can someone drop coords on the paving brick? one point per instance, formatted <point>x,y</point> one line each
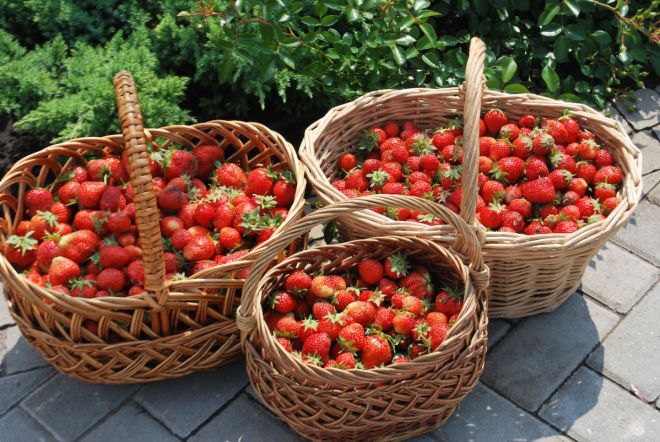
<point>649,181</point>
<point>537,355</point>
<point>8,339</point>
<point>5,317</point>
<point>497,328</point>
<point>486,416</point>
<point>650,148</point>
<point>129,423</point>
<point>654,195</point>
<point>656,132</point>
<point>618,278</point>
<point>316,232</point>
<point>19,356</point>
<point>184,404</point>
<point>630,353</point>
<point>17,425</point>
<point>590,407</point>
<point>68,408</point>
<point>612,112</point>
<point>647,113</point>
<point>14,388</point>
<point>641,233</point>
<point>232,425</point>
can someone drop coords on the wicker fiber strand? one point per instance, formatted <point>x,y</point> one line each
<point>177,327</point>
<point>529,274</point>
<point>390,403</point>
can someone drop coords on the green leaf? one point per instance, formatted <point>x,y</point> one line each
<point>509,68</point>
<point>551,79</point>
<point>428,30</point>
<point>549,13</point>
<point>406,40</point>
<point>398,54</point>
<point>561,49</point>
<point>573,6</point>
<point>288,61</point>
<point>575,32</point>
<point>516,88</point>
<point>551,30</point>
<point>602,38</point>
<point>431,59</point>
<point>570,97</point>
<point>352,13</point>
<point>329,20</point>
<point>309,21</point>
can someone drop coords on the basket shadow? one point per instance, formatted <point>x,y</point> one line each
<point>530,368</point>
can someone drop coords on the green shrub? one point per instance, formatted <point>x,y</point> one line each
<point>68,91</point>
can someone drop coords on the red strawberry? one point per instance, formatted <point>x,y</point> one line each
<point>588,150</point>
<point>172,198</point>
<point>61,270</point>
<point>500,149</point>
<point>542,144</point>
<point>231,175</point>
<point>539,190</point>
<point>285,343</point>
<point>204,214</point>
<point>603,158</point>
<point>199,248</point>
<point>84,287</point>
<point>571,211</point>
<point>68,193</point>
<point>588,206</point>
<point>535,167</point>
<point>113,256</point>
<point>180,238</point>
<point>490,216</point>
<point>511,168</point>
<point>528,121</point>
<point>494,120</point>
<point>376,351</point>
<point>437,335</point>
<point>443,138</point>
<point>609,205</point>
<point>371,271</point>
<point>403,323</point>
<point>298,282</point>
<point>396,266</point>
<point>577,185</point>
<point>343,298</point>
<point>111,280</point>
<point>448,302</point>
<point>112,199</point>
<point>79,245</point>
<point>119,222</point>
<point>586,171</point>
<point>513,220</point>
<point>413,305</point>
<point>509,131</point>
<point>556,130</point>
<point>391,129</point>
<point>170,224</point>
<point>322,309</point>
<point>229,238</point>
<point>347,161</point>
<point>561,178</point>
<point>485,165</point>
<point>608,174</point>
<point>361,312</point>
<point>522,147</point>
<point>135,272</point>
<point>179,162</point>
<point>38,200</point>
<point>417,284</point>
<point>259,182</point>
<point>284,192</point>
<point>604,191</point>
<point>42,224</point>
<point>572,128</point>
<point>317,344</point>
<point>89,194</point>
<point>420,189</point>
<point>566,227</point>
<point>522,206</point>
<point>384,318</point>
<point>21,250</point>
<point>492,191</point>
<point>511,193</point>
<point>206,156</point>
<point>357,180</point>
<point>330,325</point>
<point>284,302</point>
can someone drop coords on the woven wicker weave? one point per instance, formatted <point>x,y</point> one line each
<point>391,403</point>
<point>529,274</point>
<point>175,328</point>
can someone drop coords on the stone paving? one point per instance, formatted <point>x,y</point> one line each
<point>586,372</point>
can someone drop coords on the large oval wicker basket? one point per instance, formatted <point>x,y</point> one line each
<point>175,327</point>
<point>390,403</point>
<point>529,274</point>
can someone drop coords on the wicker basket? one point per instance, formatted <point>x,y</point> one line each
<point>391,403</point>
<point>176,327</point>
<point>529,274</point>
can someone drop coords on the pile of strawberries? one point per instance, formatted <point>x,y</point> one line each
<point>536,175</point>
<point>81,238</point>
<point>386,312</point>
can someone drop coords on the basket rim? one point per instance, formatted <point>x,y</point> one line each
<point>246,260</point>
<point>631,188</point>
<point>473,297</point>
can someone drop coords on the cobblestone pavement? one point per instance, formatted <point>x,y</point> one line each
<point>588,371</point>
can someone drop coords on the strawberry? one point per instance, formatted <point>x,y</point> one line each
<point>437,336</point>
<point>443,138</point>
<point>298,282</point>
<point>566,227</point>
<point>372,138</point>
<point>343,298</point>
<point>512,220</point>
<point>135,272</point>
<point>178,162</point>
<point>229,238</point>
<point>357,180</point>
<point>511,168</point>
<point>586,171</point>
<point>89,194</point>
<point>322,309</point>
<point>448,302</point>
<point>420,189</point>
<point>361,312</point>
<point>412,305</point>
<point>317,344</point>
<point>604,191</point>
<point>330,325</point>
<point>223,216</point>
<point>172,198</point>
<point>112,280</point>
<point>494,120</point>
<point>522,147</point>
<point>556,130</point>
<point>206,156</point>
<point>571,212</point>
<point>327,286</point>
<point>259,182</point>
<point>204,214</point>
<point>542,143</point>
<point>347,161</point>
<point>393,170</point>
<point>511,193</point>
<point>539,190</point>
<point>560,178</point>
<point>571,127</point>
<point>391,129</point>
<point>491,191</point>
<point>84,287</point>
<point>284,302</point>
<point>38,200</point>
<point>173,263</point>
<point>119,222</point>
<point>180,238</point>
<point>396,266</point>
<point>231,175</point>
<point>603,158</point>
<point>417,284</point>
<point>199,248</point>
<point>384,318</point>
<point>485,164</point>
<point>61,270</point>
<point>522,206</point>
<point>376,351</point>
<point>78,246</point>
<point>284,192</point>
<point>403,323</point>
<point>170,224</point>
<point>588,150</point>
<point>588,206</point>
<point>528,121</point>
<point>490,216</point>
<point>68,193</point>
<point>285,343</point>
<point>579,186</point>
<point>42,224</point>
<point>21,250</point>
<point>345,360</point>
<point>610,204</point>
<point>391,143</point>
<point>500,149</point>
<point>608,174</point>
<point>113,256</point>
<point>112,199</point>
<point>535,167</point>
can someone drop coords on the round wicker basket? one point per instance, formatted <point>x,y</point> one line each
<point>390,403</point>
<point>175,327</point>
<point>529,274</point>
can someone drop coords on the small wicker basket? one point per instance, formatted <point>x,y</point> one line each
<point>176,327</point>
<point>390,403</point>
<point>529,274</point>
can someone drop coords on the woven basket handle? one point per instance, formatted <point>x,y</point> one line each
<point>146,209</point>
<point>467,243</point>
<point>472,89</point>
